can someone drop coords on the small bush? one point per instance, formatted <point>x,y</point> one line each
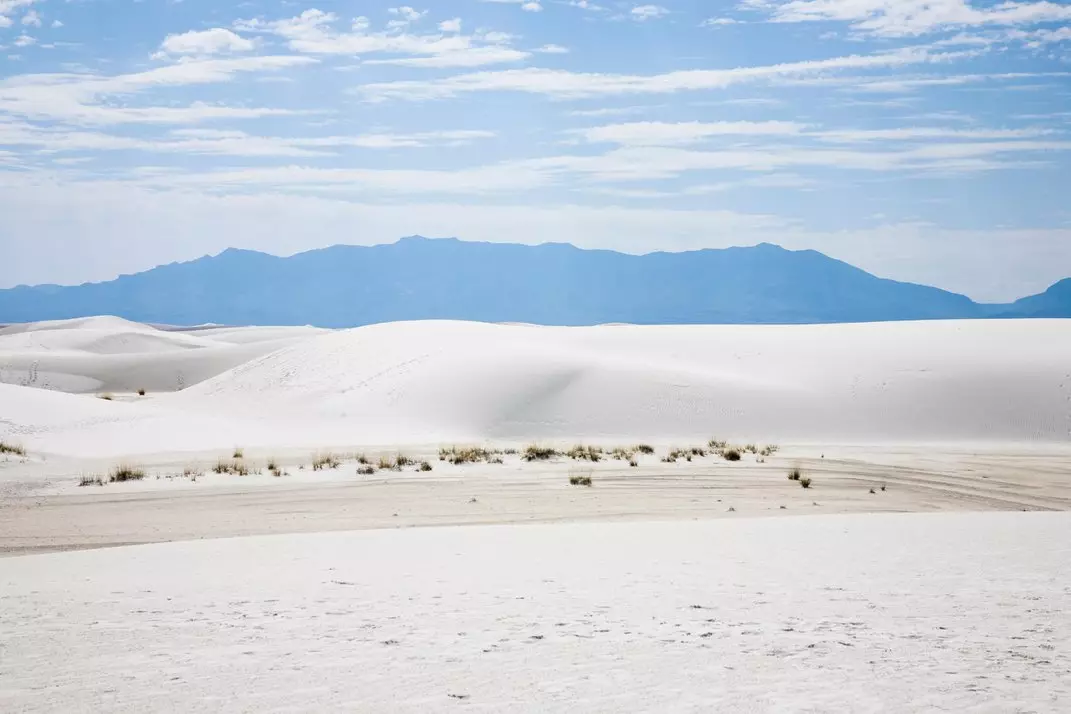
<point>273,465</point>
<point>731,455</point>
<point>6,447</point>
<point>717,445</point>
<point>539,453</point>
<point>238,453</point>
<point>467,455</point>
<point>192,473</point>
<point>645,449</point>
<point>363,460</point>
<point>510,452</point>
<point>622,454</point>
<point>402,460</point>
<point>795,475</point>
<point>585,453</point>
<point>124,473</point>
<point>385,463</point>
<point>495,460</point>
<point>580,481</point>
<point>768,450</point>
<point>633,463</point>
<point>805,482</point>
<point>91,481</point>
<point>425,466</point>
<point>141,392</point>
<point>234,467</point>
<point>106,396</point>
<point>366,470</point>
<point>751,449</point>
<point>325,461</point>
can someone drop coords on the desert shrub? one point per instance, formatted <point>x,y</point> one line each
<point>425,466</point>
<point>273,465</point>
<point>805,482</point>
<point>366,470</point>
<point>124,473</point>
<point>669,459</point>
<point>510,452</point>
<point>91,481</point>
<point>580,480</point>
<point>385,463</point>
<point>402,460</point>
<point>466,455</point>
<point>730,455</point>
<point>645,449</point>
<point>7,447</point>
<point>141,392</point>
<point>192,472</point>
<point>585,453</point>
<point>363,460</point>
<point>539,453</point>
<point>234,467</point>
<point>717,444</point>
<point>620,453</point>
<point>325,461</point>
<point>238,453</point>
<point>106,396</point>
<point>495,460</point>
<point>768,450</point>
<point>751,449</point>
<point>633,463</point>
<point>795,475</point>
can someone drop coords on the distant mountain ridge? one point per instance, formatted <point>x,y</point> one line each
<point>553,284</point>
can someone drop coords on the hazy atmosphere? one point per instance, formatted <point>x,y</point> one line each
<point>923,141</point>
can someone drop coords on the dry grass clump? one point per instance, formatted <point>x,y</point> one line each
<point>273,465</point>
<point>585,453</point>
<point>620,453</point>
<point>325,461</point>
<point>425,466</point>
<point>718,445</point>
<point>106,396</point>
<point>795,474</point>
<point>141,392</point>
<point>633,463</point>
<point>580,481</point>
<point>402,460</point>
<point>731,455</point>
<point>805,482</point>
<point>366,470</point>
<point>362,460</point>
<point>646,449</point>
<point>91,481</point>
<point>535,452</point>
<point>234,467</point>
<point>769,450</point>
<point>123,473</point>
<point>469,455</point>
<point>385,463</point>
<point>238,453</point>
<point>7,447</point>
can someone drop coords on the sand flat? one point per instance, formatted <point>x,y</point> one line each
<point>899,613</point>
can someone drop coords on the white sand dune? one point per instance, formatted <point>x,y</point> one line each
<point>430,382</point>
<point>904,613</point>
<point>109,354</point>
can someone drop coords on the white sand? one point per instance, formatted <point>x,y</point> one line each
<point>895,614</point>
<point>431,382</point>
<point>688,586</point>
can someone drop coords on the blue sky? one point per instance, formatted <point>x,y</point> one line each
<point>924,140</point>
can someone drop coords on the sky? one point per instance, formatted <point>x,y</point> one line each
<point>922,140</point>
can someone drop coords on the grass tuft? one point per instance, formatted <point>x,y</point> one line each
<point>805,482</point>
<point>539,453</point>
<point>234,467</point>
<point>7,447</point>
<point>645,449</point>
<point>91,481</point>
<point>795,475</point>
<point>238,453</point>
<point>425,466</point>
<point>366,470</point>
<point>585,453</point>
<point>580,481</point>
<point>325,461</point>
<point>124,473</point>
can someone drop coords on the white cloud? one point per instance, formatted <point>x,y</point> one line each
<point>31,18</point>
<point>670,134</point>
<point>640,13</point>
<point>572,85</point>
<point>898,18</point>
<point>206,42</point>
<point>25,40</point>
<point>8,8</point>
<point>718,21</point>
<point>84,98</point>
<point>526,5</point>
<point>453,25</point>
<point>314,32</point>
<point>553,50</point>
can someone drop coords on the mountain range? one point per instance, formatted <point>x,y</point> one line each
<point>552,284</point>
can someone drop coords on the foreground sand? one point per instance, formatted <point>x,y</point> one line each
<point>901,613</point>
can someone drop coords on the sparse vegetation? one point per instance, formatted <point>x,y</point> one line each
<point>717,445</point>
<point>91,481</point>
<point>580,481</point>
<point>363,460</point>
<point>273,465</point>
<point>645,449</point>
<point>106,396</point>
<point>469,455</point>
<point>805,482</point>
<point>239,453</point>
<point>768,450</point>
<point>539,453</point>
<point>633,463</point>
<point>7,447</point>
<point>402,460</point>
<point>385,463</point>
<point>234,467</point>
<point>585,453</point>
<point>124,473</point>
<point>751,449</point>
<point>731,455</point>
<point>366,470</point>
<point>795,475</point>
<point>325,461</point>
<point>141,392</point>
<point>425,466</point>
